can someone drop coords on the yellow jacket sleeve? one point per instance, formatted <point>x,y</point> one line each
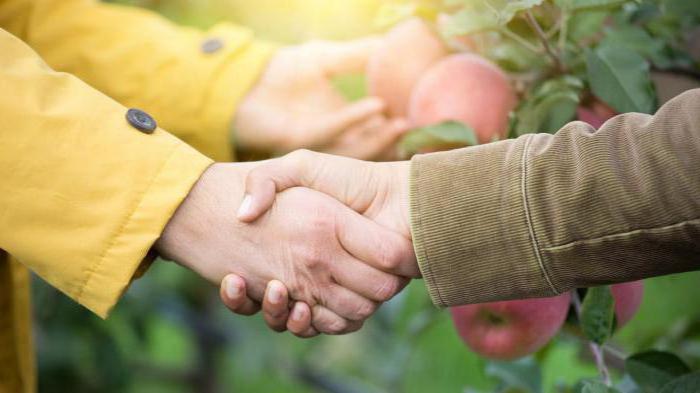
<point>190,80</point>
<point>83,194</point>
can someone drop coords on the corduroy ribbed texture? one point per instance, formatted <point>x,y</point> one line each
<point>544,213</point>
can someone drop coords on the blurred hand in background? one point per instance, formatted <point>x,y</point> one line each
<point>295,105</point>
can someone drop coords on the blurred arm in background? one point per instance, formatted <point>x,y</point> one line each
<point>195,82</point>
<point>529,217</point>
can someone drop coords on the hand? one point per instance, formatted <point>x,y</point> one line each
<point>302,242</point>
<point>295,105</point>
<point>380,191</point>
<point>278,313</point>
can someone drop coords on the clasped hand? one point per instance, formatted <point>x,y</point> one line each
<point>379,191</point>
<point>337,256</point>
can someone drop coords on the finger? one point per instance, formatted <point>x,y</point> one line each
<point>329,126</point>
<point>233,294</point>
<point>299,322</point>
<point>327,322</point>
<point>366,280</point>
<point>377,246</point>
<point>371,142</point>
<point>276,306</point>
<point>264,182</point>
<point>348,57</point>
<point>346,303</point>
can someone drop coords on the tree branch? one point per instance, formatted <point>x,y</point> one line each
<point>545,42</point>
<point>596,350</point>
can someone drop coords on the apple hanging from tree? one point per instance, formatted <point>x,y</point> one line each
<point>466,88</point>
<point>510,329</point>
<point>628,297</point>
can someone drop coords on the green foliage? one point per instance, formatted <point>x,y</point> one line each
<point>609,46</point>
<point>620,77</point>
<point>598,314</point>
<point>588,4</point>
<point>593,386</point>
<point>522,375</point>
<point>552,105</point>
<point>449,133</point>
<point>652,370</point>
<point>689,383</point>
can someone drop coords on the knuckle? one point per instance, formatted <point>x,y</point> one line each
<point>337,326</point>
<point>391,256</point>
<point>313,258</point>
<point>388,288</point>
<point>365,310</point>
<point>299,157</point>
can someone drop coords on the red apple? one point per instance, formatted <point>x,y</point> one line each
<point>628,297</point>
<point>595,114</point>
<point>510,329</point>
<point>398,62</point>
<point>466,88</point>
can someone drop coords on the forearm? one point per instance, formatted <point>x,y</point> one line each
<point>546,213</point>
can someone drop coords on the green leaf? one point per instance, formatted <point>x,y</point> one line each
<point>511,8</point>
<point>586,24</point>
<point>689,383</point>
<point>481,15</point>
<point>597,314</point>
<point>552,105</point>
<point>590,386</point>
<point>620,77</point>
<point>584,4</point>
<point>653,369</point>
<point>450,133</point>
<point>524,374</point>
<point>471,20</point>
<point>637,39</point>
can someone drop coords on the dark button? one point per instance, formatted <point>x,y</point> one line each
<point>212,45</point>
<point>141,120</point>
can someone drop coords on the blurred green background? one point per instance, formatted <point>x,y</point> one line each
<point>170,333</point>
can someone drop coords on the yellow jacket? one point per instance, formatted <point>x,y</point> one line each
<point>83,193</point>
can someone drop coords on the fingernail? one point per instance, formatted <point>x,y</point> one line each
<point>246,206</point>
<point>275,293</point>
<point>233,290</point>
<point>297,314</point>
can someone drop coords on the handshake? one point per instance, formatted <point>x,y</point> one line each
<point>319,241</point>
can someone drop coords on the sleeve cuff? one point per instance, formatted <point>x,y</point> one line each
<point>126,254</point>
<point>470,225</point>
<point>236,75</point>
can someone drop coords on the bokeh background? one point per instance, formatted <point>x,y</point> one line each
<point>171,334</point>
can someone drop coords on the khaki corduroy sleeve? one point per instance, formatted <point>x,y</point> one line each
<point>542,214</point>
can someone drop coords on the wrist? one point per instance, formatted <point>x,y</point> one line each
<point>184,238</point>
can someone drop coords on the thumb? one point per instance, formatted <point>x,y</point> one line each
<point>264,182</point>
<point>327,127</point>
